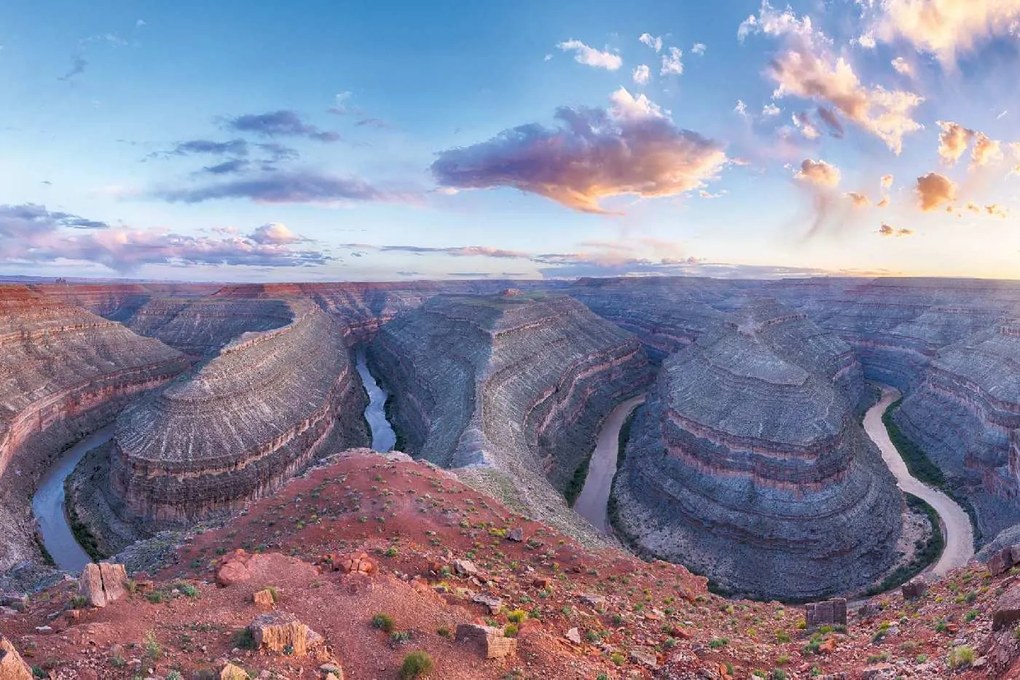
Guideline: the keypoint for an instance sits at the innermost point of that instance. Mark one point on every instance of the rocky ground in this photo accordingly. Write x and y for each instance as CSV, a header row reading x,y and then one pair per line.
x,y
429,554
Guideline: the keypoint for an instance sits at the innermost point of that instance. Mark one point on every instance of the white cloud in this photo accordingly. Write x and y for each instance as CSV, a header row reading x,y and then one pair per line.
x,y
654,42
671,63
902,66
589,56
819,173
698,48
770,110
642,74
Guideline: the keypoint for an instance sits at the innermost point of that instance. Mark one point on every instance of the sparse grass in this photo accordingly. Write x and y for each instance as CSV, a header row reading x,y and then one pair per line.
x,y
153,650
416,664
961,657
187,589
384,622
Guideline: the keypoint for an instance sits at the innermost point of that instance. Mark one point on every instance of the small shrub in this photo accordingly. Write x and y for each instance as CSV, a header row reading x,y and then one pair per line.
x,y
444,632
187,589
416,664
511,630
517,615
617,658
79,602
152,647
243,639
782,636
156,597
961,657
718,643
384,622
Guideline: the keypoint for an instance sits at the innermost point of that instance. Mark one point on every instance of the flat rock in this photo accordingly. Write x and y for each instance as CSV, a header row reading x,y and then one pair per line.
x,y
490,641
1007,608
12,666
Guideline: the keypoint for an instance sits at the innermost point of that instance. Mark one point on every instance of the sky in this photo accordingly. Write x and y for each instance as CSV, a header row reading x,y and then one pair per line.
x,y
310,141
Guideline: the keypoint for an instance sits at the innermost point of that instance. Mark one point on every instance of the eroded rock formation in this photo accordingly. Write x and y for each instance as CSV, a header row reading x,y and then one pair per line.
x,y
261,410
514,383
747,464
965,415
64,372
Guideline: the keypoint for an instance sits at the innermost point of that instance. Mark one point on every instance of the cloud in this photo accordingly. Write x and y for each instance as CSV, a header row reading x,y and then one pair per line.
x,y
631,148
654,42
642,74
859,200
31,234
886,182
589,56
230,167
953,141
671,63
935,190
806,67
996,210
281,123
986,150
233,147
740,109
902,66
699,48
887,230
831,121
281,187
819,173
78,66
453,251
802,120
274,233
946,29
770,109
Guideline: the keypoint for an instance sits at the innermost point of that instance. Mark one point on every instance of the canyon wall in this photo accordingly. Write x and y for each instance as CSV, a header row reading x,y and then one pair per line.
x,y
513,384
965,415
64,372
268,404
747,463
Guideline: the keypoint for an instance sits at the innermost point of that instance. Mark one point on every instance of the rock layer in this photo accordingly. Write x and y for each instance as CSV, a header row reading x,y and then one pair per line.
x,y
513,383
965,415
64,372
267,405
747,464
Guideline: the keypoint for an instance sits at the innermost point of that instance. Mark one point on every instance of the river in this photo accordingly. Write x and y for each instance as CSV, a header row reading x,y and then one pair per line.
x,y
592,503
955,521
383,436
48,505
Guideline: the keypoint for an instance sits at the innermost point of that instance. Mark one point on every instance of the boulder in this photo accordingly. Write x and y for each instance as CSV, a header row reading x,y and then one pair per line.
x,y
12,666
264,598
914,589
644,657
516,534
101,584
826,613
232,672
493,603
1007,609
1003,560
233,569
284,634
490,641
573,635
465,568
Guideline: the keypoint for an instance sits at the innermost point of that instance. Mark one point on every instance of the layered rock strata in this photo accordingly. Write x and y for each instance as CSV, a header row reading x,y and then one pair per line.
x,y
747,464
64,372
513,384
965,415
265,407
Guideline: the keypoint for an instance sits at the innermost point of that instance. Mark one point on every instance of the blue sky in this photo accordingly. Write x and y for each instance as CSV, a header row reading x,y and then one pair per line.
x,y
389,140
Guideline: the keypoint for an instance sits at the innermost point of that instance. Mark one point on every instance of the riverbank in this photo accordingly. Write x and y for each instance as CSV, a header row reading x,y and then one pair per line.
x,y
593,501
958,531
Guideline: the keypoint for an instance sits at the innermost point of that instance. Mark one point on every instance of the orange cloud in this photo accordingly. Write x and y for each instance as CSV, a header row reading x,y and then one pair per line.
x,y
935,190
819,173
887,230
953,141
859,200
985,151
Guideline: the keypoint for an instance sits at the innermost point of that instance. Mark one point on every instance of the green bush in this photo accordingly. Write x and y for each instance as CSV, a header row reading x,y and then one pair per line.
x,y
416,664
384,622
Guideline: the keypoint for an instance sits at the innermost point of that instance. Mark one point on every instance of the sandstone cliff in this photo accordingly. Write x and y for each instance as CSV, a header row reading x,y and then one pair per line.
x,y
747,464
513,384
64,372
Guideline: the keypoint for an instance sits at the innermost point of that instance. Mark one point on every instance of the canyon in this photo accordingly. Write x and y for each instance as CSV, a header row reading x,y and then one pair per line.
x,y
748,465
238,388
510,388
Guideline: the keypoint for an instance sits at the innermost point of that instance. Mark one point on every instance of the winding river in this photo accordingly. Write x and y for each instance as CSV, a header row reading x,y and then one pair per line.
x,y
48,505
955,522
593,502
383,436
